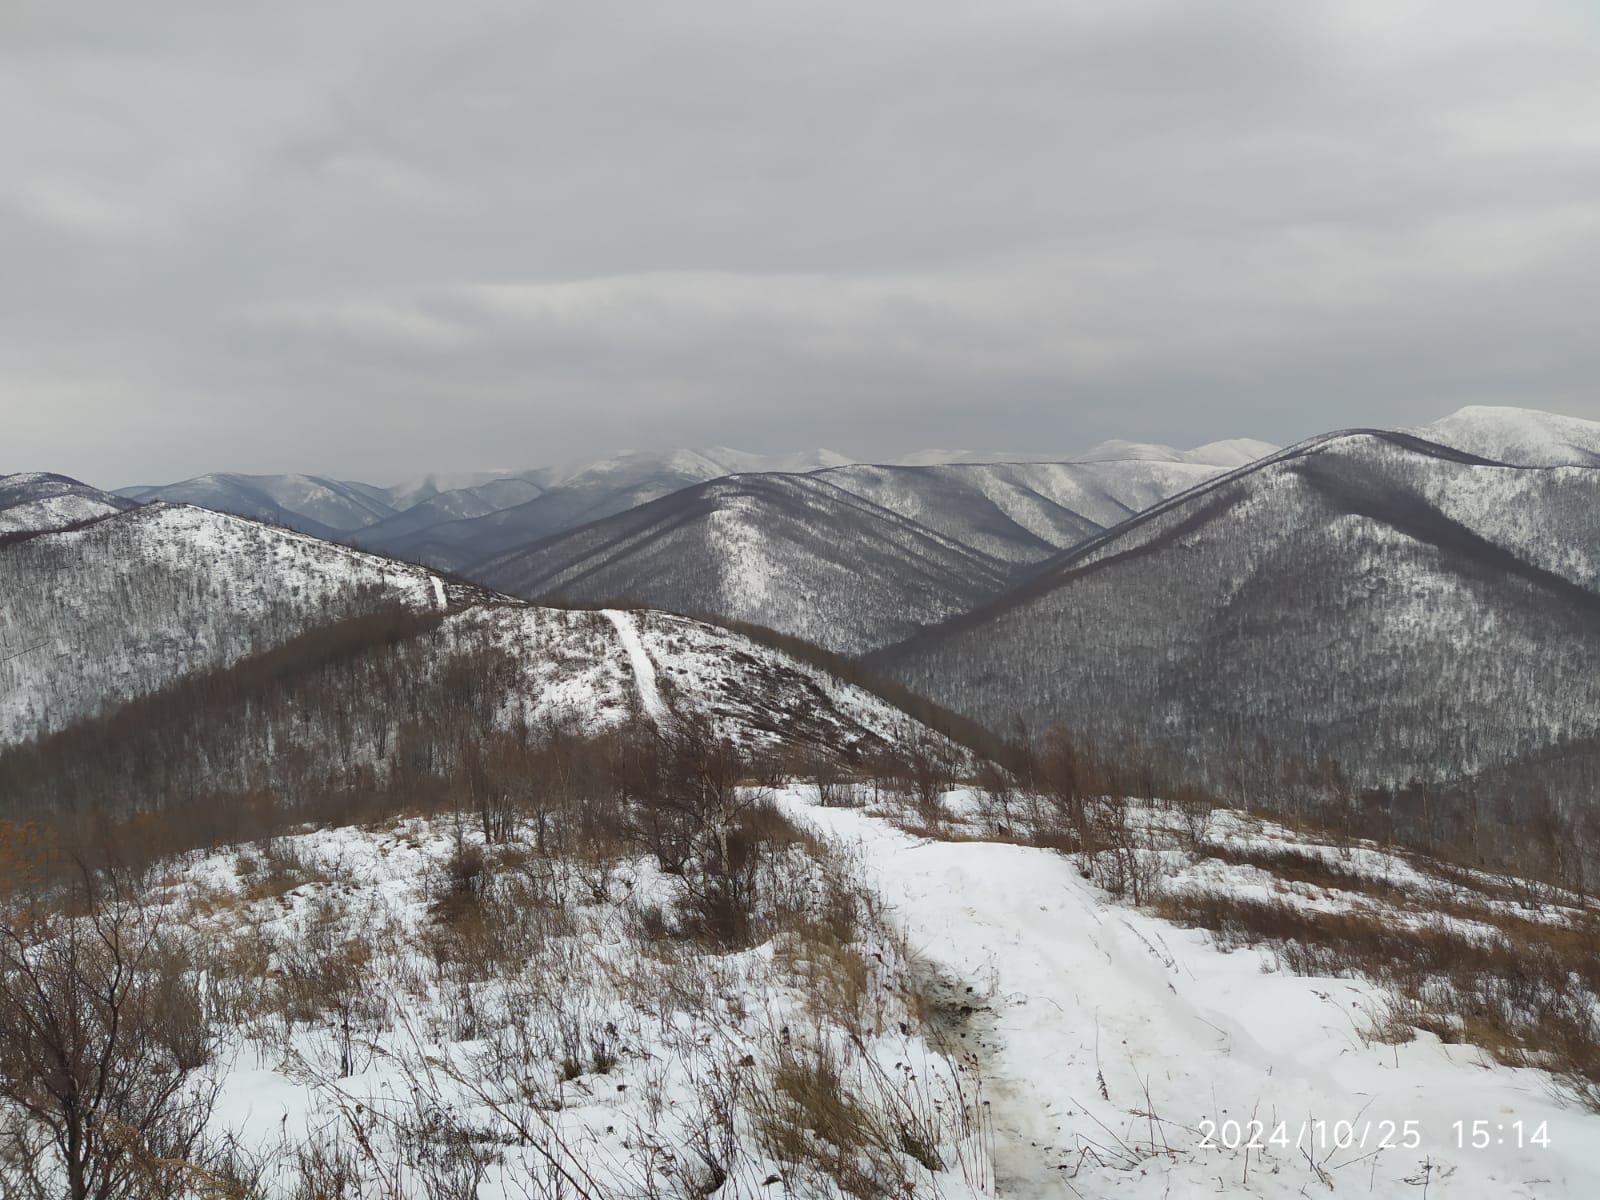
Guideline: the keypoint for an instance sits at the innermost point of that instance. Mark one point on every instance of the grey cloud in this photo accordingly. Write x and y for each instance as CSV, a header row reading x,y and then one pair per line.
x,y
373,239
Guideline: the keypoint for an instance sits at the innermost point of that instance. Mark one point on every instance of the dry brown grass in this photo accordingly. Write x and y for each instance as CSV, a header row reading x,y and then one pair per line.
x,y
1521,990
812,1114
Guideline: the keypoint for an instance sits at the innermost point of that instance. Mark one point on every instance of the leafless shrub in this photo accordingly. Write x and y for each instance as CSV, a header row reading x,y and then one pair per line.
x,y
325,975
101,1053
1121,854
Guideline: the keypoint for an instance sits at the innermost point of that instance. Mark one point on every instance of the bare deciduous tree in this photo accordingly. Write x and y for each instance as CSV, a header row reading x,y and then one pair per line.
x,y
102,1094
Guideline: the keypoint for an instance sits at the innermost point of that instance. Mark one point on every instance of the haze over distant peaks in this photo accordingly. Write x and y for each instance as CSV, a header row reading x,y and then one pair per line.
x,y
1229,453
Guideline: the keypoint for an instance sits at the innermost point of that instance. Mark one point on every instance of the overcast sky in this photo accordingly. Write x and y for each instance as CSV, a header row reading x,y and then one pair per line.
x,y
373,239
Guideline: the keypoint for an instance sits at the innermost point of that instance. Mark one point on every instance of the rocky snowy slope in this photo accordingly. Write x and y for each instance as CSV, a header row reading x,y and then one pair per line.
x,y
1401,606
37,501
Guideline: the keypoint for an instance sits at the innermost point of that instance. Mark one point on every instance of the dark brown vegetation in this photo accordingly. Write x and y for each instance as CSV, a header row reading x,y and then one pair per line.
x,y
102,1046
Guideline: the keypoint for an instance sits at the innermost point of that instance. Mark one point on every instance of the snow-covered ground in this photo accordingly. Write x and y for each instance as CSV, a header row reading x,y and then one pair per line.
x,y
644,670
624,1064
1112,1042
543,1030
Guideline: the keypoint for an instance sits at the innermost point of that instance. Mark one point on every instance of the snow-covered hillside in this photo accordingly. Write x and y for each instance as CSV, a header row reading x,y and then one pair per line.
x,y
1021,512
1226,454
38,501
310,503
129,604
1523,437
593,668
796,553
540,1034
133,604
1370,596
926,1018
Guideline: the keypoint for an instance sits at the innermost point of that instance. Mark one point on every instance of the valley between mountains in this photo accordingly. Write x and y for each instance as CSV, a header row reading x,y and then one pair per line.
x,y
1141,822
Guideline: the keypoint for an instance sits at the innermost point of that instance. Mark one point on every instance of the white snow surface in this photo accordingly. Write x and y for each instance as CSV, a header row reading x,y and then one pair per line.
x,y
1523,437
100,615
620,1127
1104,1037
644,671
1070,989
52,512
1228,453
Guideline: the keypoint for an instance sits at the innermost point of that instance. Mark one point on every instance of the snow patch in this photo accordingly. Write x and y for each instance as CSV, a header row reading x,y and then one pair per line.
x,y
644,671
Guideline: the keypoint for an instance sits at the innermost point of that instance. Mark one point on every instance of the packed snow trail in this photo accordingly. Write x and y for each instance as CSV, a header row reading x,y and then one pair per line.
x,y
440,599
644,671
1107,1036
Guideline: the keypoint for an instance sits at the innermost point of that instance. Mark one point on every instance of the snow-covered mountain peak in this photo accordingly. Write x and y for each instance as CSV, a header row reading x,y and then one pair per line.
x,y
1524,437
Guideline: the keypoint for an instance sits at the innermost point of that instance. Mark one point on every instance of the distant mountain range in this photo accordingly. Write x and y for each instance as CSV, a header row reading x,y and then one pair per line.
x,y
455,521
456,529
849,557
1422,602
1520,437
1404,606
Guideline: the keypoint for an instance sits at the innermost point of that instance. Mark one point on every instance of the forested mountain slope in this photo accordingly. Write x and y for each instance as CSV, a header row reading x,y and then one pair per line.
x,y
792,552
124,606
850,558
558,499
141,602
1021,513
310,503
36,501
1405,608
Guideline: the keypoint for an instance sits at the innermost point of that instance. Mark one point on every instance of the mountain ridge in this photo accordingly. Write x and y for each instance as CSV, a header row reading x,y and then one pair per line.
x,y
1273,589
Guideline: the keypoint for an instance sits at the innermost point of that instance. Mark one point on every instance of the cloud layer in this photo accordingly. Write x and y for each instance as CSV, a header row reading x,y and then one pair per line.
x,y
375,238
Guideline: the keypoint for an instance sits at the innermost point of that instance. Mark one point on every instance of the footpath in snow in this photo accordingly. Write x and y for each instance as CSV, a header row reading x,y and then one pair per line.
x,y
1110,1038
644,671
